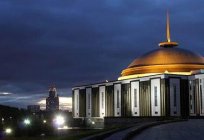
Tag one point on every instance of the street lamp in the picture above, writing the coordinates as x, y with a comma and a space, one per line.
8, 131
2, 120
44, 121
27, 122
59, 120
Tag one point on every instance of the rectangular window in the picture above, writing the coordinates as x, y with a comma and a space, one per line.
174, 92
77, 102
102, 96
190, 97
194, 97
89, 101
118, 105
201, 101
202, 96
155, 96
135, 97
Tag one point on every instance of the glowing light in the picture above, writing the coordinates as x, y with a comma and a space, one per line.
166, 71
63, 128
8, 130
44, 121
142, 71
27, 122
150, 74
136, 76
59, 120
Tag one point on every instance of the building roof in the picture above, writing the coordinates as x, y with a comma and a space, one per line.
166, 59
165, 56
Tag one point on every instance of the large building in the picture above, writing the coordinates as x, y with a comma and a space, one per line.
168, 81
52, 102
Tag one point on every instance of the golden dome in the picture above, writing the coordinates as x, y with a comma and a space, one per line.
165, 59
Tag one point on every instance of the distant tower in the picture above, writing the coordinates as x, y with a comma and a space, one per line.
52, 102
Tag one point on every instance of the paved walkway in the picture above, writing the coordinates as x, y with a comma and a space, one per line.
187, 130
121, 134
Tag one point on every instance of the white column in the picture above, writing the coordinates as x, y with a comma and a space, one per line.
88, 102
202, 97
135, 98
117, 100
76, 103
174, 97
155, 97
102, 100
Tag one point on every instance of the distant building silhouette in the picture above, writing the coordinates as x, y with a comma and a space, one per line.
52, 102
33, 108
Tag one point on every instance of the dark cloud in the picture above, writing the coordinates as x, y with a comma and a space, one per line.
72, 42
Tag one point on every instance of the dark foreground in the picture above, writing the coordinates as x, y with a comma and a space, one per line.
187, 130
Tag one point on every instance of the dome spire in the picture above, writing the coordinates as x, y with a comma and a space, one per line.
168, 43
168, 28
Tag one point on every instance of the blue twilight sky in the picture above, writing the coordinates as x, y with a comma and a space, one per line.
73, 42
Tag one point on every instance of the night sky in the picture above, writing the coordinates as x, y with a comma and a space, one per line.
74, 42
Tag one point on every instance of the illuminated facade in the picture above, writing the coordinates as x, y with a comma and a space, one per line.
168, 81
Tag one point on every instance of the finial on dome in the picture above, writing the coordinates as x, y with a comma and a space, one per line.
168, 28
168, 43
